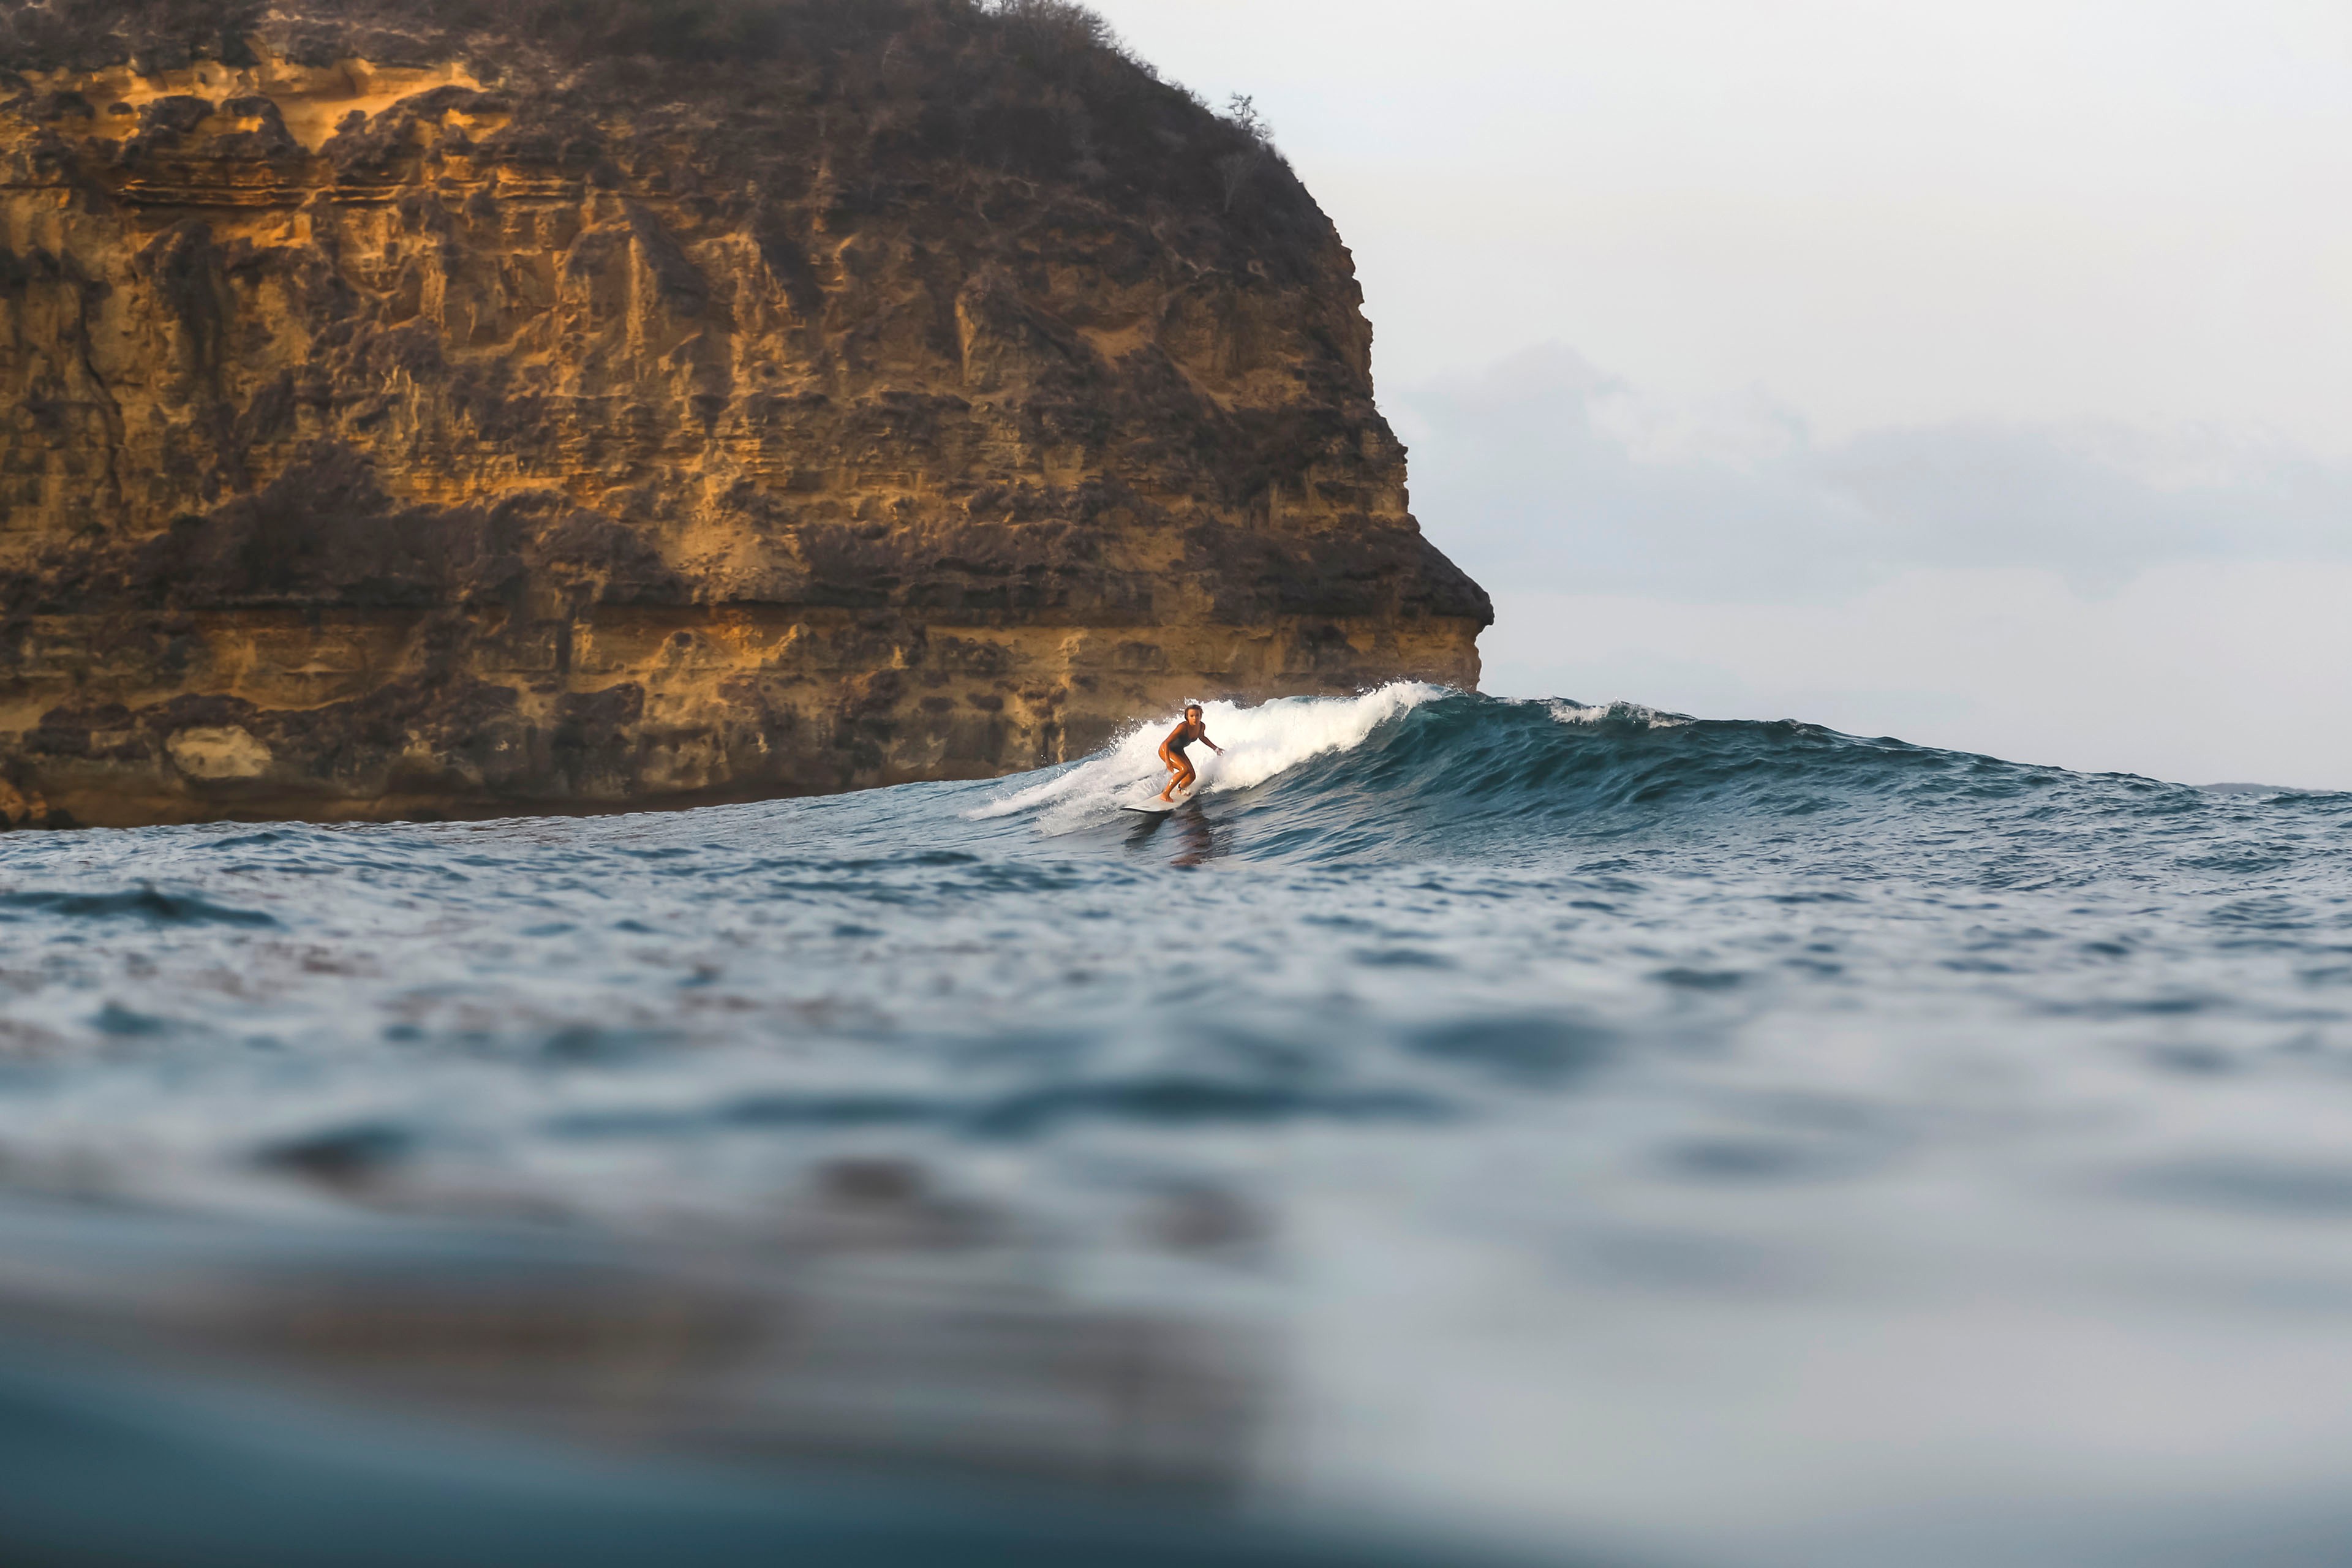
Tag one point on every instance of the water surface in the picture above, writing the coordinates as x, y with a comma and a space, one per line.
1581, 1128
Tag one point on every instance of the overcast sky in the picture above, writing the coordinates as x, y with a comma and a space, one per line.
1976, 373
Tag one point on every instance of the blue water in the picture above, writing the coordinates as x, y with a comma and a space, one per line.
1578, 1130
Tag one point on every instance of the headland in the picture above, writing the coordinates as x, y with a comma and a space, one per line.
456, 409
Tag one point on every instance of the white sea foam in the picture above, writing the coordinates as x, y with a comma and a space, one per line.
1568, 712
1259, 743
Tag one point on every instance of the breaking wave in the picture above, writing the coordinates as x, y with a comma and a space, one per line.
1410, 770
1260, 743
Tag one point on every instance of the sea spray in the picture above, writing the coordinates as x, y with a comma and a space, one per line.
1261, 742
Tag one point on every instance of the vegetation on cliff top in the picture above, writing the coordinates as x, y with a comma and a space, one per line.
1032, 90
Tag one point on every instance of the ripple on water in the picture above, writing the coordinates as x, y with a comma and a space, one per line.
1621, 1066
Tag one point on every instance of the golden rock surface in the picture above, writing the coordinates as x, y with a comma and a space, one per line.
474, 432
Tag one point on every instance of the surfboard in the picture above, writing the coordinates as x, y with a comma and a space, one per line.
1152, 806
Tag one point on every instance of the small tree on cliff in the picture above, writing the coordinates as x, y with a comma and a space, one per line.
1235, 169
1063, 20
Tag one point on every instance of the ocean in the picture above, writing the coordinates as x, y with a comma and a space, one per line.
1472, 1129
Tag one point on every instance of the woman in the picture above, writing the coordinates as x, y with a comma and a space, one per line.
1172, 751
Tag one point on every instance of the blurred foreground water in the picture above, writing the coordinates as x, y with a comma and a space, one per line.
1473, 1132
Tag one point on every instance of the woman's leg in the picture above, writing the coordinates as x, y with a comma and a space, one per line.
1180, 766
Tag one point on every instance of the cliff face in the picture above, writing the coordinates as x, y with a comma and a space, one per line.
442, 408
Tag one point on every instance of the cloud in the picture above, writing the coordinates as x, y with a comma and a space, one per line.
1889, 214
2195, 671
1546, 471
2102, 596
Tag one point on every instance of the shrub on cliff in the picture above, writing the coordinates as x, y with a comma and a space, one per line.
1035, 90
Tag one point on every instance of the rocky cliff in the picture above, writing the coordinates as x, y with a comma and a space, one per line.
441, 407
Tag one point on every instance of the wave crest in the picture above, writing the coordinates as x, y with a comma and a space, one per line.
1259, 743
1633, 714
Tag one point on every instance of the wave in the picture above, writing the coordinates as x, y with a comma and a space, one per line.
145, 904
1422, 769
1260, 743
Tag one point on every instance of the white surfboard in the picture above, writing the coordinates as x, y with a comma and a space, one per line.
1152, 806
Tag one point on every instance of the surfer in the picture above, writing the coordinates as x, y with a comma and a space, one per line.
1171, 750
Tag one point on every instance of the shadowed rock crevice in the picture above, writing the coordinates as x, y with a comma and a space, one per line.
500, 405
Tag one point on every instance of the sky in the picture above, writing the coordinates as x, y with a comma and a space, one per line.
1976, 374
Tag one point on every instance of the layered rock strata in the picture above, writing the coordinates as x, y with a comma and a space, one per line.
496, 412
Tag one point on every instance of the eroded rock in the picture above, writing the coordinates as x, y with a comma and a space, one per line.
406, 419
